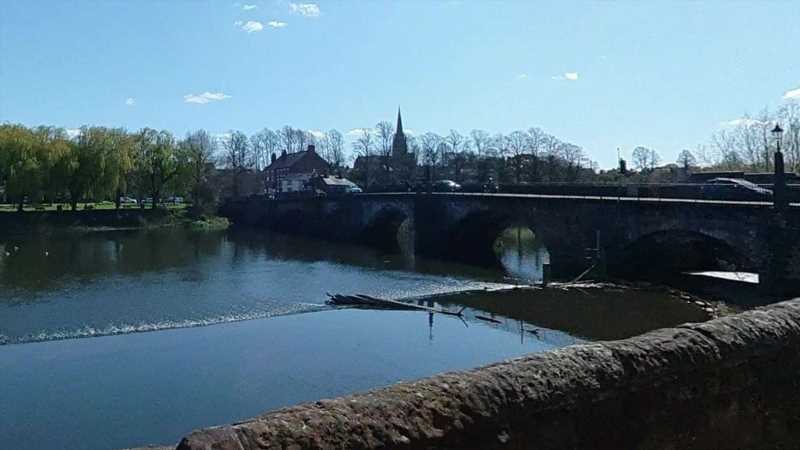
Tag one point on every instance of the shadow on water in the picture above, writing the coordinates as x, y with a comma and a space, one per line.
591, 314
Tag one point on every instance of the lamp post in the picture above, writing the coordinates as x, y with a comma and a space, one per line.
779, 181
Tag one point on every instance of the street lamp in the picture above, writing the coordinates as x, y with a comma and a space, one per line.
777, 133
779, 180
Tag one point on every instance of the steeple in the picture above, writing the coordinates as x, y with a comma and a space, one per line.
399, 146
399, 128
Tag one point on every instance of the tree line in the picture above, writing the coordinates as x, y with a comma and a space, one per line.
45, 164
746, 143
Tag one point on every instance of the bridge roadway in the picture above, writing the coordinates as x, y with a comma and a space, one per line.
631, 235
767, 204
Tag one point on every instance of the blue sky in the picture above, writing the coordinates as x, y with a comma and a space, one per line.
600, 74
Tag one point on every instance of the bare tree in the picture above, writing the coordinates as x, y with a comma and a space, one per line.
385, 132
364, 146
238, 156
480, 142
455, 140
287, 138
645, 158
686, 160
335, 142
789, 116
641, 158
430, 146
263, 144
517, 145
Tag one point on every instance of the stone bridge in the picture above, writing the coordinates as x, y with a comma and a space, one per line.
631, 235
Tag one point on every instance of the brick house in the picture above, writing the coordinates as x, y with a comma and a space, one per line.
292, 171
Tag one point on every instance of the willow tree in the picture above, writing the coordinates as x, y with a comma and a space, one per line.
21, 171
156, 161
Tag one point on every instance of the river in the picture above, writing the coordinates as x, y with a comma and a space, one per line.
191, 329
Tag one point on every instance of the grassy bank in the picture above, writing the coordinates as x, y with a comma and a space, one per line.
92, 219
83, 206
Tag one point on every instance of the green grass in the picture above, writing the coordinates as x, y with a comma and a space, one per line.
7, 207
209, 223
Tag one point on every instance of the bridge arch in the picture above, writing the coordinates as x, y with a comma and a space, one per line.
665, 253
515, 242
389, 229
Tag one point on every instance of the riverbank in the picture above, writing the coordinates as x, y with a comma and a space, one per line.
27, 222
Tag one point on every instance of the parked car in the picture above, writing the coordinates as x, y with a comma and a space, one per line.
175, 200
127, 201
739, 183
446, 186
353, 190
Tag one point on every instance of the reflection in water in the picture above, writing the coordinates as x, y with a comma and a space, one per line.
81, 285
521, 254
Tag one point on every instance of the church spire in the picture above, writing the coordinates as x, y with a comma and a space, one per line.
399, 146
399, 128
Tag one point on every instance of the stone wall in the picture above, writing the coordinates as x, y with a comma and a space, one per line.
724, 384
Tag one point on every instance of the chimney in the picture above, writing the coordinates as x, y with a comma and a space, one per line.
311, 148
273, 157
283, 153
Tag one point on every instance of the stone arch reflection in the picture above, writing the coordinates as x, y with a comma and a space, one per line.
521, 253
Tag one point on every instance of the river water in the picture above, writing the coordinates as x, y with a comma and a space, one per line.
192, 329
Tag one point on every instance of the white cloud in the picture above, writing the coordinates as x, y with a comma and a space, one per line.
305, 9
522, 76
743, 122
359, 131
567, 76
793, 94
249, 7
317, 134
276, 24
205, 97
251, 26
130, 101
72, 133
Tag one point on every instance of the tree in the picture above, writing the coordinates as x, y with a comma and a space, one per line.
22, 174
430, 144
480, 142
156, 162
335, 151
364, 146
686, 160
86, 163
264, 144
516, 144
454, 139
287, 138
385, 132
197, 162
238, 157
644, 158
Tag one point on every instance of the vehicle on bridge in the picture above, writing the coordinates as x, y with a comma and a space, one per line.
446, 186
717, 185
